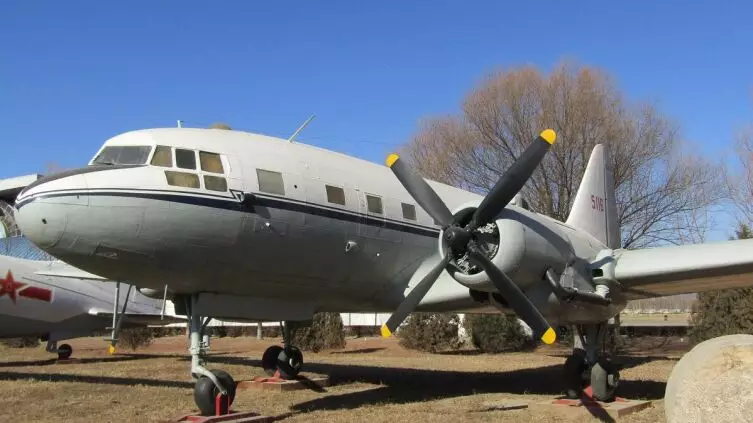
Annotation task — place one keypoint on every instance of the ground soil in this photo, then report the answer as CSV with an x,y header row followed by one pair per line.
x,y
374,380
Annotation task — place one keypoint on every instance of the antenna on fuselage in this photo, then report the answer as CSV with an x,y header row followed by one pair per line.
x,y
300,128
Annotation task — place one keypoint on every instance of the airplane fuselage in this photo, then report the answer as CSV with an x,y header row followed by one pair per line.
x,y
266,228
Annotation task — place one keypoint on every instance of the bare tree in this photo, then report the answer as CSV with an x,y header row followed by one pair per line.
x,y
220,125
740,183
663,194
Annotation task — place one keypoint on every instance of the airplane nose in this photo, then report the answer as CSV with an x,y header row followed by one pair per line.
x,y
43,206
43,223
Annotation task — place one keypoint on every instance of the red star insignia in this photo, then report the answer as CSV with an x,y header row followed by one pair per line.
x,y
10,286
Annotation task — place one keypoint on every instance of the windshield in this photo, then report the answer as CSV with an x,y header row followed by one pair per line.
x,y
123,155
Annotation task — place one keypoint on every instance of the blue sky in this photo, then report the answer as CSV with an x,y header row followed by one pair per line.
x,y
75,73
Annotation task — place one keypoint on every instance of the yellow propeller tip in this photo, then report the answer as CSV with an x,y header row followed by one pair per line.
x,y
111,349
386,333
549,336
391,159
549,135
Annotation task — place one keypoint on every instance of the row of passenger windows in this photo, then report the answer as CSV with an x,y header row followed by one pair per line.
x,y
272,183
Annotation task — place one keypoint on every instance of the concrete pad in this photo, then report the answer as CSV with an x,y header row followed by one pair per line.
x,y
277,384
232,417
580,408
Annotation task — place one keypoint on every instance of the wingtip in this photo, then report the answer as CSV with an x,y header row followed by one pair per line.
x,y
549,336
386,332
391,159
549,135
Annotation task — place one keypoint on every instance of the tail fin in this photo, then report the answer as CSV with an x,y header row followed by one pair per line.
x,y
594,208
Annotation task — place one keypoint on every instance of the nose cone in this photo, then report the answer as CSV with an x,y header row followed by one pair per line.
x,y
42,222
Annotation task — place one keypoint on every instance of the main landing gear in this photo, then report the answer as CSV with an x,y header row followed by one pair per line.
x,y
64,351
589,366
214,390
285,361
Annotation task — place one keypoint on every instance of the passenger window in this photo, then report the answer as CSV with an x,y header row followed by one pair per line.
x,y
374,204
409,211
163,156
210,162
185,159
335,195
215,183
270,182
182,179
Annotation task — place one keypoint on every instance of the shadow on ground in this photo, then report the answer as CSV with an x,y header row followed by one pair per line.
x,y
405,385
93,379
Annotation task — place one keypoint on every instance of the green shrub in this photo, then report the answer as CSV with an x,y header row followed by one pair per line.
x,y
430,332
324,332
135,338
496,333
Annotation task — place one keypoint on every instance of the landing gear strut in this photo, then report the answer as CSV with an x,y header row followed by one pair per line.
x,y
286,361
589,366
214,391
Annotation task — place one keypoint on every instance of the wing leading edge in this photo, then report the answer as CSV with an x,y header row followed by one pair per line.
x,y
685,269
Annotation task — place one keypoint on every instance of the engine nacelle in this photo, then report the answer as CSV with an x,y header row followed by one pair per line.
x,y
156,293
526,244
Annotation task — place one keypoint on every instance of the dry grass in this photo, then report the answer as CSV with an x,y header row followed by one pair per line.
x,y
374,380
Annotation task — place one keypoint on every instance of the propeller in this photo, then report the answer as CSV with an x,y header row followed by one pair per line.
x,y
461,238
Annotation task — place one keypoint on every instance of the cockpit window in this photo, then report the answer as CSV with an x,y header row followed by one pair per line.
x,y
185,159
210,162
123,155
163,156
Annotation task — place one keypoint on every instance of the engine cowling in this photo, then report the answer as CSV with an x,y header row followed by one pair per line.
x,y
522,244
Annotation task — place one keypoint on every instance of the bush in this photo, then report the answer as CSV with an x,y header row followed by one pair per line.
x,y
326,331
24,342
135,338
496,333
430,332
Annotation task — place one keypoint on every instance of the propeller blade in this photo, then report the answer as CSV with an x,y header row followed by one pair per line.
x,y
420,191
514,296
513,180
414,297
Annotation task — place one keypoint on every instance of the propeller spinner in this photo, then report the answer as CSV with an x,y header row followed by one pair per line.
x,y
461,238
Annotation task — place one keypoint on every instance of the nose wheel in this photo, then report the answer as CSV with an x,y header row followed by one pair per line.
x,y
208,397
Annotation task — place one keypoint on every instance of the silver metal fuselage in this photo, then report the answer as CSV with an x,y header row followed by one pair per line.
x,y
261,255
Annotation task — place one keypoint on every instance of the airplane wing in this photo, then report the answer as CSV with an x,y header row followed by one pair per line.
x,y
131,319
663,271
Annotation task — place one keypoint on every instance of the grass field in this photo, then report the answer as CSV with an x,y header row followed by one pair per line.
x,y
374,380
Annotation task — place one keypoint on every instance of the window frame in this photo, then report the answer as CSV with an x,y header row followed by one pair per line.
x,y
412,207
259,185
336,187
196,165
381,204
219,157
196,175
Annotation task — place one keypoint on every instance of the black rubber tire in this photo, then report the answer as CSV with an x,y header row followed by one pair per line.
x,y
290,362
64,352
574,375
269,359
604,380
205,393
